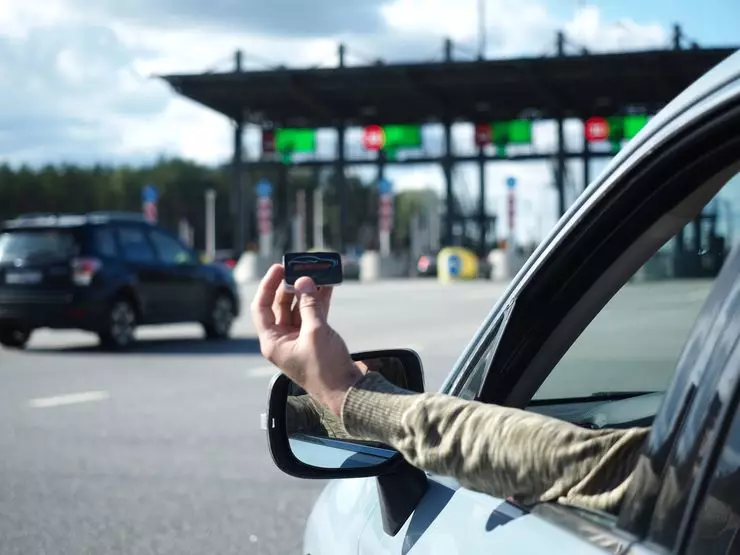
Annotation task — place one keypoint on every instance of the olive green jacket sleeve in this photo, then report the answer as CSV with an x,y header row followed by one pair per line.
x,y
501,451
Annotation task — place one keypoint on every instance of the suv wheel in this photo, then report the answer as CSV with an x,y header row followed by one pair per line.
x,y
120,325
14,337
220,317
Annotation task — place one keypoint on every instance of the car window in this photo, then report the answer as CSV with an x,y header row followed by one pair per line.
x,y
105,242
169,249
634,343
717,526
134,245
37,245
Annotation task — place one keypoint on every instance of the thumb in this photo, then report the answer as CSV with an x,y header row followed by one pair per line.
x,y
309,303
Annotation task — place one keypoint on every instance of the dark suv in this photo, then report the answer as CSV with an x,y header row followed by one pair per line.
x,y
106,273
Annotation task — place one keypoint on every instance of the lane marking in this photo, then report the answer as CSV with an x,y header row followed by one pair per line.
x,y
71,399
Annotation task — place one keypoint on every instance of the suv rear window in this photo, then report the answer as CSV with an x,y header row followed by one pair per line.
x,y
37,245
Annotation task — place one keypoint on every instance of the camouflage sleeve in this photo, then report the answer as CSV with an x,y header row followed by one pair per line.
x,y
501,451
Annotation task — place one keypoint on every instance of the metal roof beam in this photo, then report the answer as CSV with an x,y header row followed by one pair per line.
x,y
309,100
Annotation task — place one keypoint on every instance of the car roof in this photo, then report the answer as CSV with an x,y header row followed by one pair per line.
x,y
46,220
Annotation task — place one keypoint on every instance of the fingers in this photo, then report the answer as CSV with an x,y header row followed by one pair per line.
x,y
324,295
262,313
283,306
310,304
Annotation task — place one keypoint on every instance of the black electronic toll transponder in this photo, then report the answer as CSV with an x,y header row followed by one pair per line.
x,y
324,268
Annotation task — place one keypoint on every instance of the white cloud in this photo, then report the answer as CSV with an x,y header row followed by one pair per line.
x,y
588,29
79,85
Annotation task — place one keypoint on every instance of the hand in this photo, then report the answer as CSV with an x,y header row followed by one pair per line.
x,y
299,341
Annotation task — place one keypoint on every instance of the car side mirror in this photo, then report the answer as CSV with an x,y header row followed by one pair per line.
x,y
307,441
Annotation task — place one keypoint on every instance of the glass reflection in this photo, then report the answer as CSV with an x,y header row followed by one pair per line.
x,y
316,435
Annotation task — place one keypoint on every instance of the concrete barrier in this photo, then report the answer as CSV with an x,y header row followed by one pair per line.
x,y
500,269
506,264
251,267
374,267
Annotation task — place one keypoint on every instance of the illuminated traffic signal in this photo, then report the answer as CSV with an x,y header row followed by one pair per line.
x,y
391,137
614,129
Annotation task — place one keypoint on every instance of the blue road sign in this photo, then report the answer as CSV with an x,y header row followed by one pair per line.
x,y
511,182
264,188
149,193
385,187
453,265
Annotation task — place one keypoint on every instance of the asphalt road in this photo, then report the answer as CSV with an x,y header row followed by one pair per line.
x,y
160,450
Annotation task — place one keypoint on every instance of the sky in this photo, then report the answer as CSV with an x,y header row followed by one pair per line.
x,y
78,78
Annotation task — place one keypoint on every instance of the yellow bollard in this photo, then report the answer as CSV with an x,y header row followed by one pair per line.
x,y
456,263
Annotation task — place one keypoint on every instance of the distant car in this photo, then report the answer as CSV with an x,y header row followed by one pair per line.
x,y
351,267
226,258
426,265
106,273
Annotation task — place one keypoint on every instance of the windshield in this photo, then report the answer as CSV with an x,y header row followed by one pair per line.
x,y
36,244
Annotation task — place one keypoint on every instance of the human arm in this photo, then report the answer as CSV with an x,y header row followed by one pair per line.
x,y
497,450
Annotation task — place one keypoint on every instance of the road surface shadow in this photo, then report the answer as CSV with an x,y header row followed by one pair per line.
x,y
164,347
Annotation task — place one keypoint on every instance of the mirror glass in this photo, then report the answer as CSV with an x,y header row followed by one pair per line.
x,y
316,436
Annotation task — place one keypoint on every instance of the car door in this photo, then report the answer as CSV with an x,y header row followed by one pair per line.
x,y
610,238
184,283
148,275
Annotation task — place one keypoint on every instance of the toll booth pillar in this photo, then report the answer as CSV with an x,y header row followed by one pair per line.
x,y
560,170
482,216
238,204
450,196
341,183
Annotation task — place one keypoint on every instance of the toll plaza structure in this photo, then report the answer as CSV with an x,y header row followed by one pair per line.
x,y
613,94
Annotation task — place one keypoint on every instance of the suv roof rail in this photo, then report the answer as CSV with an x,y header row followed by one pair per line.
x,y
59,218
34,215
117,216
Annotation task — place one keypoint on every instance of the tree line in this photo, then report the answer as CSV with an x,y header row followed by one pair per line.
x,y
182,186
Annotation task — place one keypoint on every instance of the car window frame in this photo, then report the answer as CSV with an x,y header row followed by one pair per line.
x,y
724,166
152,230
615,531
93,238
644,146
525,335
144,230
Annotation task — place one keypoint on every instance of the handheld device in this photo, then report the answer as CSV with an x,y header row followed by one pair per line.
x,y
324,268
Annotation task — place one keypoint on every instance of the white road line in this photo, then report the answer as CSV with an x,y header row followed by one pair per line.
x,y
71,399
